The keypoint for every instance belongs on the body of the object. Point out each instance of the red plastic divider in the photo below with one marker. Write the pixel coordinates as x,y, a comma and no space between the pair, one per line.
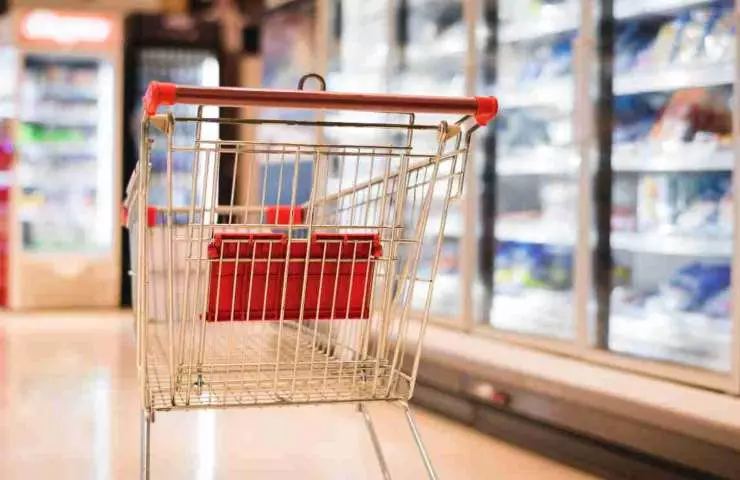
248,273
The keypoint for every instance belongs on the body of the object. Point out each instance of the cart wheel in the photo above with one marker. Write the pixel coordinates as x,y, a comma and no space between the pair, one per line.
199,382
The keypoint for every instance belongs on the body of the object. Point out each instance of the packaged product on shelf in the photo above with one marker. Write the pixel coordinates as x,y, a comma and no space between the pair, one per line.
624,204
718,45
690,44
698,199
719,305
634,117
654,204
520,266
556,56
560,58
689,288
664,47
633,39
686,203
675,121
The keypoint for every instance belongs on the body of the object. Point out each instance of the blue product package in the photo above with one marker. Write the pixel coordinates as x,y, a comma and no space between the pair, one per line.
698,199
504,262
533,259
719,305
690,287
664,44
634,117
560,58
633,39
682,22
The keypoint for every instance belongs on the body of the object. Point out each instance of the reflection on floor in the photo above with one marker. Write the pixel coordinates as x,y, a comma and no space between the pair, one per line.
69,410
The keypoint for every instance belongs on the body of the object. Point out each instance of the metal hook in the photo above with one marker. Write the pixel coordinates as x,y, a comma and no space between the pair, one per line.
317,77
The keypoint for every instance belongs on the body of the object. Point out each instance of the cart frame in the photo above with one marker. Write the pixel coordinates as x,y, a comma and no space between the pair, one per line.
245,303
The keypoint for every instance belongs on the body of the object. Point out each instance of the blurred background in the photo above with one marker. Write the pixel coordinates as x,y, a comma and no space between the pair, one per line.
582,308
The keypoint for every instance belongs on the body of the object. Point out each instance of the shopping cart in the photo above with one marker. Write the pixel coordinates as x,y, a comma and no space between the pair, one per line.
263,298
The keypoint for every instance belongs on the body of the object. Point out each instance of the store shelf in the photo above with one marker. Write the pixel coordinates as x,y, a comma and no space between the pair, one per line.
538,161
59,122
62,147
675,157
691,246
679,337
557,91
629,8
423,57
540,27
535,312
673,78
534,231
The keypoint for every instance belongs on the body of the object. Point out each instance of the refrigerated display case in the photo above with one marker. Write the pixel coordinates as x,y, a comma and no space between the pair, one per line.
428,56
432,40
602,234
598,222
66,159
531,191
608,187
183,50
672,168
8,68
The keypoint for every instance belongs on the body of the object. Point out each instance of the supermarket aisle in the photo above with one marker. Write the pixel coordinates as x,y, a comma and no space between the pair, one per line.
69,411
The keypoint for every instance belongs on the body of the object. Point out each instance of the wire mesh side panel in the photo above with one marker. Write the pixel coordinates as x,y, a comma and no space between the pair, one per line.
297,288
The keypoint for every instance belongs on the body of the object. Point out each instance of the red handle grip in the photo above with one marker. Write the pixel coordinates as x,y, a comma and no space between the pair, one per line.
484,109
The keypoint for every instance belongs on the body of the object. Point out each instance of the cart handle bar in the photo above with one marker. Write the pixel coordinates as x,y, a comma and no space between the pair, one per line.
484,109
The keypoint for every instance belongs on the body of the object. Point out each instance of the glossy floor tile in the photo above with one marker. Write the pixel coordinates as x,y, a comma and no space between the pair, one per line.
69,409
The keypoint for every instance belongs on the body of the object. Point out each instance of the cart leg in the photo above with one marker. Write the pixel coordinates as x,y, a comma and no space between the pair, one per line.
146,426
376,442
417,439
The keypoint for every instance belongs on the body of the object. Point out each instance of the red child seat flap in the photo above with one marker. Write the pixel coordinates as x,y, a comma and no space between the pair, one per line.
250,271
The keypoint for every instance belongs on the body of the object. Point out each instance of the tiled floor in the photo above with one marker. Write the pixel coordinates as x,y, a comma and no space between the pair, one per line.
69,410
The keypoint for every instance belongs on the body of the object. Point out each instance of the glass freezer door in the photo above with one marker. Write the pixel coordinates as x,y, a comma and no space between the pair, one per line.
184,67
432,40
671,176
65,164
530,191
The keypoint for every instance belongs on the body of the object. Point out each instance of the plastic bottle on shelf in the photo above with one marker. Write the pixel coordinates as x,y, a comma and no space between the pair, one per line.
690,44
654,206
664,47
718,44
